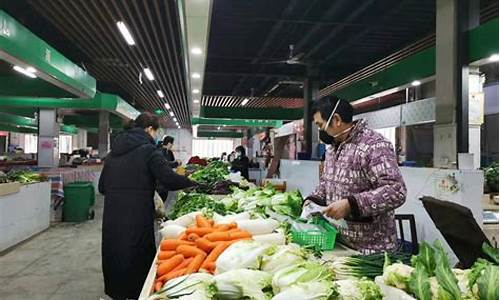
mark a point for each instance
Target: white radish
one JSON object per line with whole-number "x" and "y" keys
{"x": 228, "y": 219}
{"x": 271, "y": 238}
{"x": 187, "y": 219}
{"x": 172, "y": 231}
{"x": 258, "y": 226}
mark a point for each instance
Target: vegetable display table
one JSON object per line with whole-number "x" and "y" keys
{"x": 148, "y": 286}
{"x": 24, "y": 214}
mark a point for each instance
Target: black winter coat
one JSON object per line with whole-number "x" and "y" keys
{"x": 128, "y": 182}
{"x": 240, "y": 164}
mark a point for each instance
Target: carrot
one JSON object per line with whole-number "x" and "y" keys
{"x": 239, "y": 235}
{"x": 212, "y": 257}
{"x": 172, "y": 275}
{"x": 218, "y": 236}
{"x": 205, "y": 244}
{"x": 194, "y": 266}
{"x": 222, "y": 227}
{"x": 201, "y": 221}
{"x": 238, "y": 240}
{"x": 189, "y": 251}
{"x": 192, "y": 237}
{"x": 200, "y": 231}
{"x": 158, "y": 285}
{"x": 183, "y": 264}
{"x": 163, "y": 255}
{"x": 183, "y": 236}
{"x": 172, "y": 244}
{"x": 169, "y": 265}
{"x": 211, "y": 221}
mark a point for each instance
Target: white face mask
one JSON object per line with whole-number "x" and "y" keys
{"x": 331, "y": 116}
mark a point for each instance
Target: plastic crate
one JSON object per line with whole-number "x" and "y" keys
{"x": 320, "y": 240}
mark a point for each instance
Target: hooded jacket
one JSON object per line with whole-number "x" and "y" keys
{"x": 128, "y": 181}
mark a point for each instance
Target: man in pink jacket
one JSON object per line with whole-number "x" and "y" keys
{"x": 361, "y": 181}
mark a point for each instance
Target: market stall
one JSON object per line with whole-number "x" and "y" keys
{"x": 253, "y": 242}
{"x": 24, "y": 211}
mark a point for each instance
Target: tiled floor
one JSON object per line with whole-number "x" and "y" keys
{"x": 63, "y": 262}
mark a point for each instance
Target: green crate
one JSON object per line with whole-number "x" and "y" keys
{"x": 320, "y": 240}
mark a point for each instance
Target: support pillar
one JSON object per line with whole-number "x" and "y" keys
{"x": 103, "y": 134}
{"x": 48, "y": 138}
{"x": 311, "y": 139}
{"x": 451, "y": 130}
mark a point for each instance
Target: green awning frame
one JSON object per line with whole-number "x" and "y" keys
{"x": 482, "y": 43}
{"x": 236, "y": 122}
{"x": 101, "y": 101}
{"x": 14, "y": 123}
{"x": 220, "y": 134}
{"x": 19, "y": 46}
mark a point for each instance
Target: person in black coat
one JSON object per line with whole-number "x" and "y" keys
{"x": 166, "y": 150}
{"x": 240, "y": 163}
{"x": 127, "y": 182}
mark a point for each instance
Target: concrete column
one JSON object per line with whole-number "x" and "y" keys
{"x": 311, "y": 88}
{"x": 48, "y": 138}
{"x": 103, "y": 134}
{"x": 476, "y": 114}
{"x": 451, "y": 134}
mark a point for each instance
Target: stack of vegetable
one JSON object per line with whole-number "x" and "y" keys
{"x": 430, "y": 276}
{"x": 191, "y": 202}
{"x": 25, "y": 176}
{"x": 213, "y": 172}
{"x": 265, "y": 201}
{"x": 195, "y": 249}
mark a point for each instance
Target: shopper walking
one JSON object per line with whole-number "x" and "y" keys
{"x": 241, "y": 162}
{"x": 128, "y": 181}
{"x": 361, "y": 181}
{"x": 168, "y": 154}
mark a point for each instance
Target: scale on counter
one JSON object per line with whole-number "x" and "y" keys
{"x": 490, "y": 217}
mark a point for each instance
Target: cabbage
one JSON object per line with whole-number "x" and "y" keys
{"x": 243, "y": 255}
{"x": 284, "y": 256}
{"x": 361, "y": 289}
{"x": 397, "y": 275}
{"x": 197, "y": 286}
{"x": 243, "y": 284}
{"x": 322, "y": 290}
{"x": 302, "y": 272}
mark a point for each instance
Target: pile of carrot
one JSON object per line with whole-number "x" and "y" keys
{"x": 196, "y": 249}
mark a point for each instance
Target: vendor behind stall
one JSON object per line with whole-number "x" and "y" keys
{"x": 127, "y": 182}
{"x": 361, "y": 181}
{"x": 241, "y": 162}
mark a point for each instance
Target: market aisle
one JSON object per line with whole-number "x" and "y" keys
{"x": 63, "y": 262}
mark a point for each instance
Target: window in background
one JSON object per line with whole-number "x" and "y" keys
{"x": 389, "y": 133}
{"x": 65, "y": 144}
{"x": 211, "y": 148}
{"x": 30, "y": 143}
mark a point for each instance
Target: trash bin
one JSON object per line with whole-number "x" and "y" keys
{"x": 79, "y": 198}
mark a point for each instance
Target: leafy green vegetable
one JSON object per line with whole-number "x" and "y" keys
{"x": 491, "y": 252}
{"x": 25, "y": 176}
{"x": 358, "y": 289}
{"x": 369, "y": 266}
{"x": 190, "y": 202}
{"x": 243, "y": 284}
{"x": 491, "y": 176}
{"x": 444, "y": 275}
{"x": 476, "y": 271}
{"x": 488, "y": 283}
{"x": 426, "y": 258}
{"x": 301, "y": 272}
{"x": 323, "y": 290}
{"x": 213, "y": 172}
{"x": 419, "y": 283}
{"x": 397, "y": 275}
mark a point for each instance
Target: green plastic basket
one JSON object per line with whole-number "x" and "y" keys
{"x": 317, "y": 239}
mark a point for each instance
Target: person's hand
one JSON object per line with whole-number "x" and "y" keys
{"x": 338, "y": 209}
{"x": 179, "y": 162}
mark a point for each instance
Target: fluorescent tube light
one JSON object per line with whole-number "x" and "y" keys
{"x": 149, "y": 74}
{"x": 196, "y": 51}
{"x": 416, "y": 83}
{"x": 160, "y": 94}
{"x": 125, "y": 33}
{"x": 196, "y": 91}
{"x": 196, "y": 75}
{"x": 244, "y": 102}
{"x": 24, "y": 71}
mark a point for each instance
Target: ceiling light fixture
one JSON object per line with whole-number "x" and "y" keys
{"x": 196, "y": 51}
{"x": 160, "y": 94}
{"x": 196, "y": 101}
{"x": 196, "y": 91}
{"x": 196, "y": 75}
{"x": 175, "y": 119}
{"x": 244, "y": 102}
{"x": 172, "y": 114}
{"x": 167, "y": 106}
{"x": 416, "y": 83}
{"x": 24, "y": 71}
{"x": 31, "y": 69}
{"x": 149, "y": 74}
{"x": 494, "y": 57}
{"x": 125, "y": 33}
